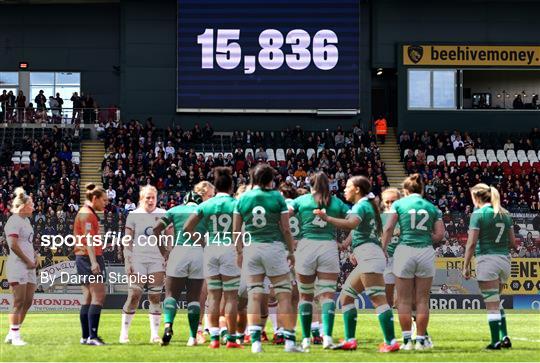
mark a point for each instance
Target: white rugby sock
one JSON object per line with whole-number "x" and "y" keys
{"x": 127, "y": 317}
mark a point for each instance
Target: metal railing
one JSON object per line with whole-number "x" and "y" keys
{"x": 58, "y": 115}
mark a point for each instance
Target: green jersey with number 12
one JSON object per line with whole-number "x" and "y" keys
{"x": 417, "y": 218}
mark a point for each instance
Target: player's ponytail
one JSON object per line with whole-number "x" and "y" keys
{"x": 364, "y": 185}
{"x": 202, "y": 188}
{"x": 287, "y": 190}
{"x": 414, "y": 184}
{"x": 496, "y": 201}
{"x": 20, "y": 198}
{"x": 321, "y": 189}
{"x": 92, "y": 190}
{"x": 487, "y": 194}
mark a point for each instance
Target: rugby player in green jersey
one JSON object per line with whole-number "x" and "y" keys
{"x": 491, "y": 235}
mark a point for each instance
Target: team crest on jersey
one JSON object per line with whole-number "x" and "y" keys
{"x": 415, "y": 53}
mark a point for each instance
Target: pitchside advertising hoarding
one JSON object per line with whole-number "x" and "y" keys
{"x": 278, "y": 55}
{"x": 463, "y": 55}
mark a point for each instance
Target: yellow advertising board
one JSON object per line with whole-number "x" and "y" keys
{"x": 524, "y": 274}
{"x": 3, "y": 273}
{"x": 472, "y": 55}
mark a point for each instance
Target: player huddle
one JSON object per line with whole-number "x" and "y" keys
{"x": 237, "y": 261}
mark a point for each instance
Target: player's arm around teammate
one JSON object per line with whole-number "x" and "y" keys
{"x": 491, "y": 235}
{"x": 365, "y": 221}
{"x": 90, "y": 264}
{"x": 420, "y": 225}
{"x": 21, "y": 263}
{"x": 221, "y": 272}
{"x": 388, "y": 197}
{"x": 145, "y": 261}
{"x": 317, "y": 256}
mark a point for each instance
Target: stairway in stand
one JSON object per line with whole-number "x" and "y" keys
{"x": 92, "y": 152}
{"x": 390, "y": 155}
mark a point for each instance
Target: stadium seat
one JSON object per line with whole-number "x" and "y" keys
{"x": 310, "y": 153}
{"x": 280, "y": 156}
{"x": 406, "y": 152}
{"x": 501, "y": 156}
{"x": 25, "y": 160}
{"x": 450, "y": 159}
{"x": 249, "y": 150}
{"x": 25, "y": 153}
{"x": 430, "y": 159}
{"x": 531, "y": 155}
{"x": 76, "y": 153}
{"x": 461, "y": 161}
{"x": 271, "y": 157}
{"x": 471, "y": 160}
{"x": 76, "y": 160}
{"x": 17, "y": 154}
{"x": 207, "y": 154}
{"x": 441, "y": 160}
{"x": 16, "y": 159}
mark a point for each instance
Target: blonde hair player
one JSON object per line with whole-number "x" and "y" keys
{"x": 145, "y": 260}
{"x": 420, "y": 224}
{"x": 21, "y": 263}
{"x": 491, "y": 235}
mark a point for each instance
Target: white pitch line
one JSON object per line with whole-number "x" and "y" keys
{"x": 526, "y": 339}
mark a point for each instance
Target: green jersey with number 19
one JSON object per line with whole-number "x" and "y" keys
{"x": 493, "y": 237}
{"x": 311, "y": 225}
{"x": 216, "y": 217}
{"x": 366, "y": 231}
{"x": 261, "y": 211}
{"x": 178, "y": 216}
{"x": 417, "y": 218}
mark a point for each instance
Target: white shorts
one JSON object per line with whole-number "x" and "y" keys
{"x": 220, "y": 260}
{"x": 370, "y": 258}
{"x": 389, "y": 277}
{"x": 492, "y": 267}
{"x": 410, "y": 262}
{"x": 316, "y": 256}
{"x": 242, "y": 290}
{"x": 265, "y": 258}
{"x": 148, "y": 266}
{"x": 18, "y": 273}
{"x": 186, "y": 261}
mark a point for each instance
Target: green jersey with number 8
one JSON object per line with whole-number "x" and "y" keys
{"x": 366, "y": 231}
{"x": 417, "y": 218}
{"x": 311, "y": 225}
{"x": 216, "y": 217}
{"x": 294, "y": 224}
{"x": 493, "y": 237}
{"x": 261, "y": 211}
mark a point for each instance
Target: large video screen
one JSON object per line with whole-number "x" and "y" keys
{"x": 268, "y": 54}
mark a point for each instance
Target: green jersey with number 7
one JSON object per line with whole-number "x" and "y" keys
{"x": 493, "y": 235}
